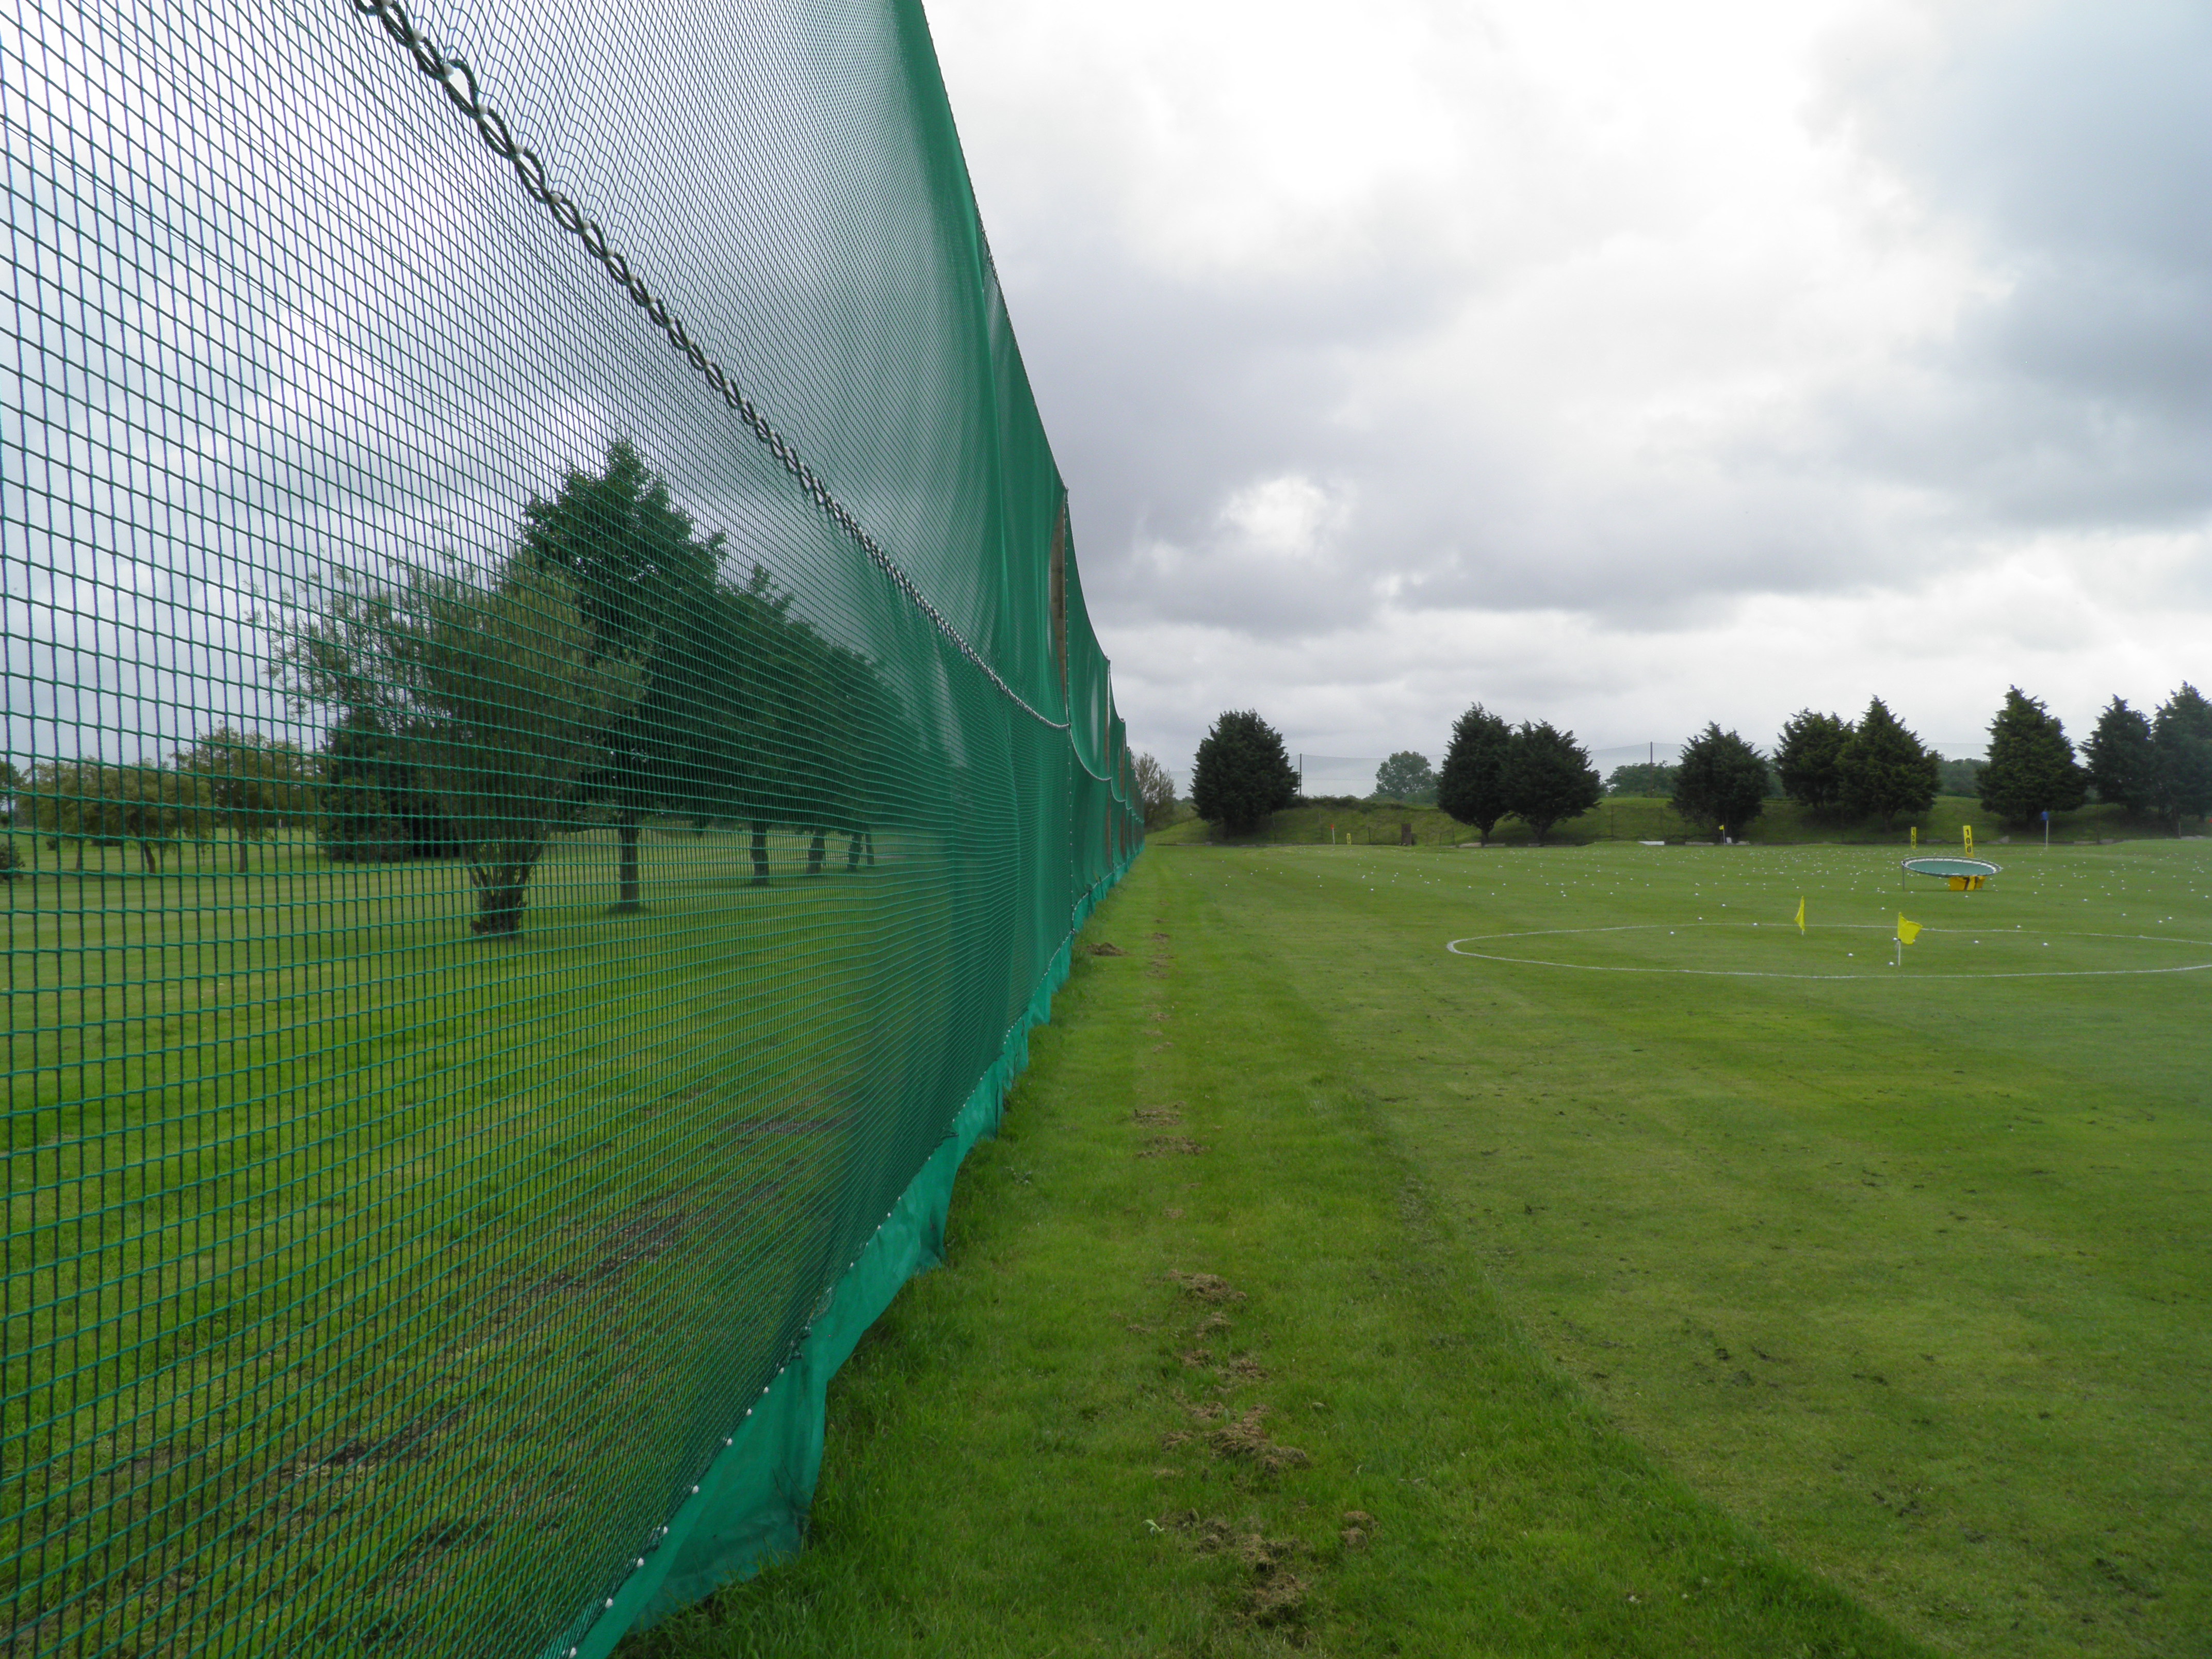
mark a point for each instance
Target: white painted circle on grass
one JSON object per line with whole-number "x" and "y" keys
{"x": 1458, "y": 948}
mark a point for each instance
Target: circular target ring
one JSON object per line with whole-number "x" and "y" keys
{"x": 1464, "y": 947}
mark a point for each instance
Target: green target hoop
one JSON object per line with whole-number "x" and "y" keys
{"x": 1964, "y": 875}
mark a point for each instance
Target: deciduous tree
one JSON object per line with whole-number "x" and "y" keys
{"x": 1156, "y": 792}
{"x": 373, "y": 808}
{"x": 1405, "y": 776}
{"x": 644, "y": 587}
{"x": 1959, "y": 777}
{"x": 497, "y": 695}
{"x": 1641, "y": 778}
{"x": 255, "y": 784}
{"x": 106, "y": 803}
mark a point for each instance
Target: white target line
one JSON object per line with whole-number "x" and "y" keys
{"x": 1455, "y": 947}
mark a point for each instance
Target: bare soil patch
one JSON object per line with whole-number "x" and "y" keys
{"x": 1205, "y": 1287}
{"x": 1246, "y": 1441}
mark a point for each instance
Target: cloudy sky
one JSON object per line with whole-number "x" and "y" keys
{"x": 1622, "y": 365}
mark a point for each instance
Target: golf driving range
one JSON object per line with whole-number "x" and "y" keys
{"x": 1646, "y": 1274}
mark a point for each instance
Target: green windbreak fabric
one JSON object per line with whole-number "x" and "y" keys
{"x": 553, "y": 754}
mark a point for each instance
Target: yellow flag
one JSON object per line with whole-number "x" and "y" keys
{"x": 1906, "y": 931}
{"x": 1801, "y": 916}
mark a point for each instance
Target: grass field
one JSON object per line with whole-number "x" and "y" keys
{"x": 327, "y": 1219}
{"x": 1638, "y": 818}
{"x": 1650, "y": 1278}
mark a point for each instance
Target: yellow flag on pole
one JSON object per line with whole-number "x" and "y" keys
{"x": 1801, "y": 916}
{"x": 1906, "y": 931}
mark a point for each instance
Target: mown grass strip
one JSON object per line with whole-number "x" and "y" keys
{"x": 1212, "y": 1372}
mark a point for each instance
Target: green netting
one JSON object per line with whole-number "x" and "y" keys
{"x": 555, "y": 752}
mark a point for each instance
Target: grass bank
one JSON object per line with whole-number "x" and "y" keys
{"x": 1647, "y": 1281}
{"x": 324, "y": 1218}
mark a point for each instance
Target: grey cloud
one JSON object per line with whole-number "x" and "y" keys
{"x": 2072, "y": 137}
{"x": 2074, "y": 140}
{"x": 1165, "y": 399}
{"x": 1580, "y": 447}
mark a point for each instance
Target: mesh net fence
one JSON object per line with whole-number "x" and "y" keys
{"x": 555, "y": 752}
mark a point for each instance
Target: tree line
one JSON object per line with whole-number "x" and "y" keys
{"x": 603, "y": 665}
{"x": 2156, "y": 766}
{"x": 1491, "y": 770}
{"x": 243, "y": 782}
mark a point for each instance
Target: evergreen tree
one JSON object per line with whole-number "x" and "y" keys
{"x": 1885, "y": 770}
{"x": 1720, "y": 779}
{"x": 1405, "y": 776}
{"x": 1471, "y": 786}
{"x": 2031, "y": 768}
{"x": 1808, "y": 758}
{"x": 1243, "y": 773}
{"x": 2122, "y": 760}
{"x": 1547, "y": 776}
{"x": 2182, "y": 732}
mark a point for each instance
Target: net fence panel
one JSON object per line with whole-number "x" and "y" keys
{"x": 554, "y": 756}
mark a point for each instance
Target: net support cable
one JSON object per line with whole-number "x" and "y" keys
{"x": 453, "y": 76}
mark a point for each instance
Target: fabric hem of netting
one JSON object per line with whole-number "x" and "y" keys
{"x": 749, "y": 1510}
